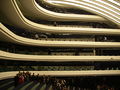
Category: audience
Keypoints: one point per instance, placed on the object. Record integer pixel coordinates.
(63, 83)
(21, 77)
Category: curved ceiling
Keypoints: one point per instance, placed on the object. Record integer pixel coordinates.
(36, 11)
(102, 8)
(19, 20)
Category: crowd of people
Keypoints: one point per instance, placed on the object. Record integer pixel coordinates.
(57, 83)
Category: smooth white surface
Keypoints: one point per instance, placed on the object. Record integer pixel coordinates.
(108, 11)
(34, 10)
(12, 56)
(19, 20)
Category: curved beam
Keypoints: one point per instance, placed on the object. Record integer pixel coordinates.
(36, 11)
(114, 2)
(17, 19)
(7, 35)
(104, 10)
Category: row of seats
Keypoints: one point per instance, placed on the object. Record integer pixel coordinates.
(65, 39)
(56, 68)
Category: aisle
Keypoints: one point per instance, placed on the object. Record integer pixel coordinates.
(8, 84)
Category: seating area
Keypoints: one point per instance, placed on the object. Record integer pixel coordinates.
(57, 66)
(27, 80)
(50, 68)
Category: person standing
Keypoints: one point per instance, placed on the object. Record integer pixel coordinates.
(21, 79)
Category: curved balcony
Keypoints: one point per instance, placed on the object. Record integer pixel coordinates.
(17, 19)
(7, 35)
(12, 56)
